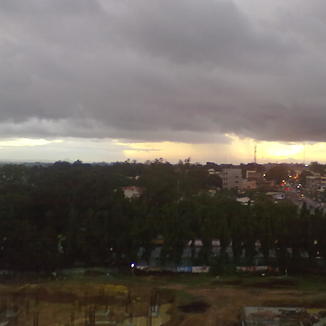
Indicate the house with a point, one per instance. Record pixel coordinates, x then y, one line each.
243 201
276 195
131 192
248 184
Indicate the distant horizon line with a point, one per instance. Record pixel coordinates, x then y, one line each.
23 162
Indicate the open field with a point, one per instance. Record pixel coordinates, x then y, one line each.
185 299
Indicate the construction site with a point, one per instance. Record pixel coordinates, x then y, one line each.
164 300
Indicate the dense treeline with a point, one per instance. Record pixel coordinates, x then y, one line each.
64 214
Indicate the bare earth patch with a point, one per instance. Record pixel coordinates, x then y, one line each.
192 303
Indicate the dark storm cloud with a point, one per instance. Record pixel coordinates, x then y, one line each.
139 70
186 31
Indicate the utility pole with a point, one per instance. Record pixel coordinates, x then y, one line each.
255 154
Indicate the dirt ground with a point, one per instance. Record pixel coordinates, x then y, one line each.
225 301
194 301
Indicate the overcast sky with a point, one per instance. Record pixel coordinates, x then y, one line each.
108 79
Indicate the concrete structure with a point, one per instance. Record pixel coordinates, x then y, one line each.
231 178
277 316
253 175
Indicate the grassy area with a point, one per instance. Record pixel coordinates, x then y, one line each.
312 283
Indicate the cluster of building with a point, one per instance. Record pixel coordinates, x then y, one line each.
247 178
234 178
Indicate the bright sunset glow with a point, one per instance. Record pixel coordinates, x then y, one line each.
236 151
277 150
